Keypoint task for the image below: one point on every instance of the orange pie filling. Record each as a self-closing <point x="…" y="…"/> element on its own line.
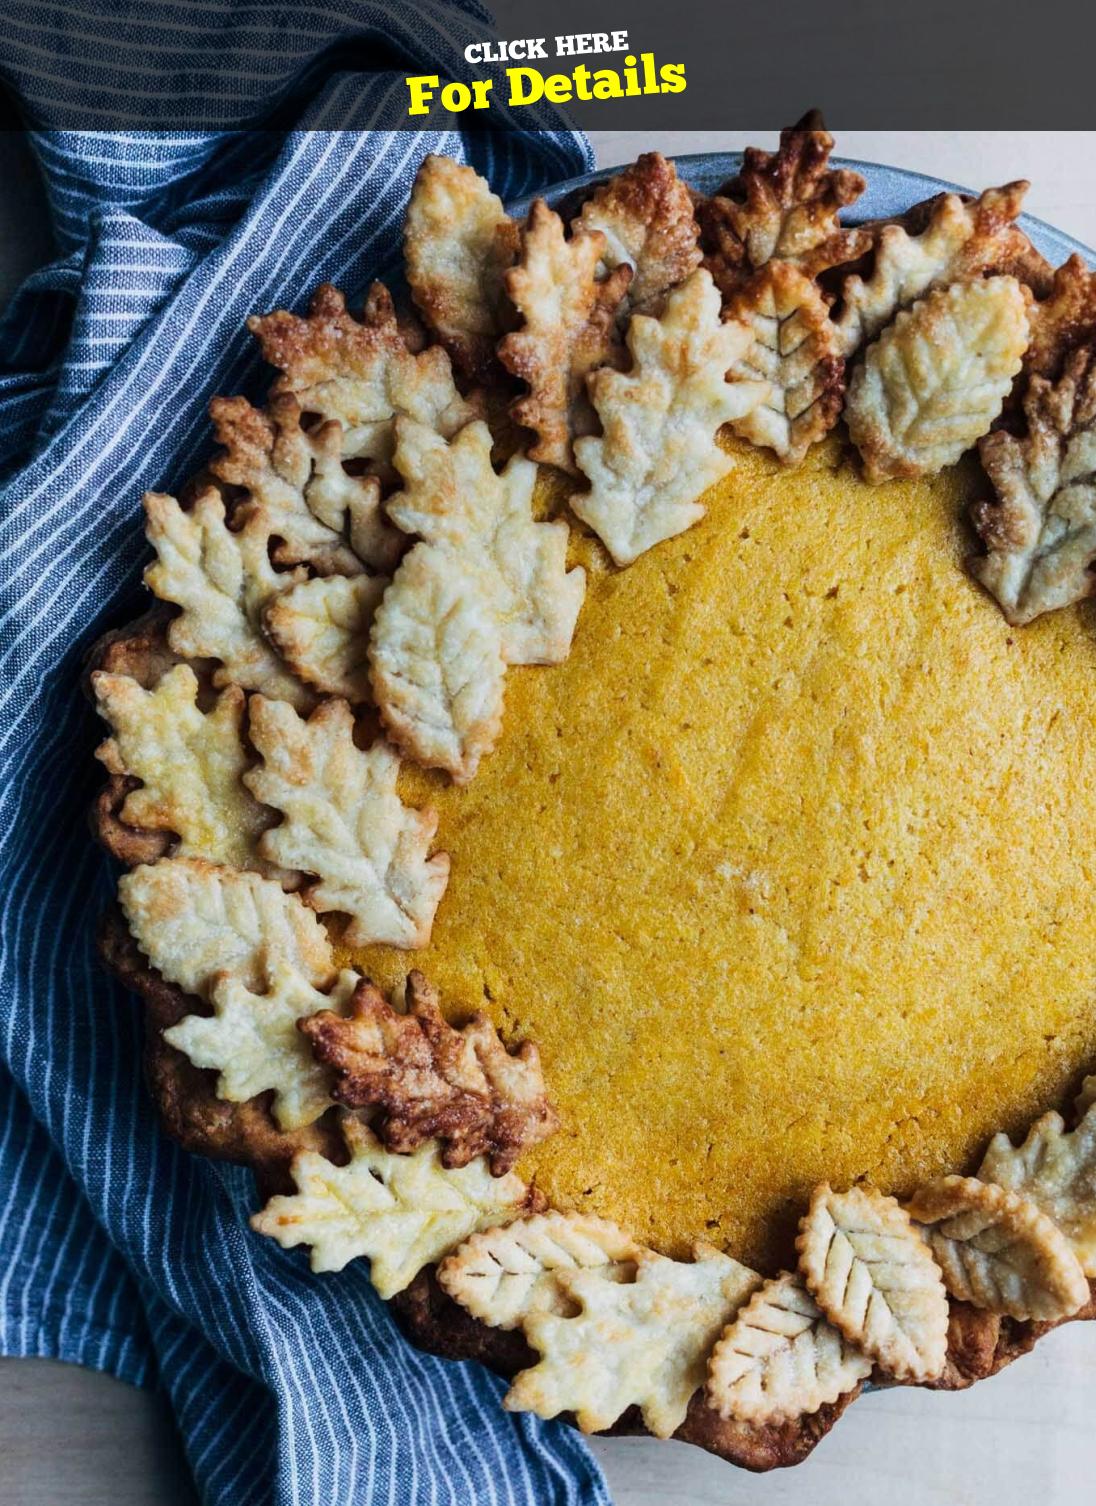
<point x="788" y="869"/>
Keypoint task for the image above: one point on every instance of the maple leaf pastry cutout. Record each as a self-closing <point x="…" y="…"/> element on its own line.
<point x="1063" y="320"/>
<point x="782" y="205"/>
<point x="458" y="244"/>
<point x="431" y="1080"/>
<point x="568" y="330"/>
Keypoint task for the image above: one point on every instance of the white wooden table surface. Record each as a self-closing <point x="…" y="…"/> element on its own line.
<point x="70" y="1438"/>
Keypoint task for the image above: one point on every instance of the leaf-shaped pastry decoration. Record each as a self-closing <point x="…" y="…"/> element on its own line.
<point x="646" y="216"/>
<point x="641" y="1342"/>
<point x="361" y="373"/>
<point x="959" y="240"/>
<point x="780" y="1359"/>
<point x="431" y="1080"/>
<point x="321" y="629"/>
<point x="1063" y="320"/>
<point x="195" y="921"/>
<point x="1056" y="1170"/>
<point x="997" y="1251"/>
<point x="458" y="243"/>
<point x="345" y="823"/>
<point x="793" y="347"/>
<point x="399" y="1212"/>
<point x="222" y="581"/>
<point x="935" y="380"/>
<point x="1040" y="533"/>
<point x="487" y="586"/>
<point x="503" y="1276"/>
<point x="294" y="481"/>
<point x="782" y="205"/>
<point x="568" y="330"/>
<point x="871" y="1274"/>
<point x="251" y="1039"/>
<point x="190" y="764"/>
<point x="658" y="452"/>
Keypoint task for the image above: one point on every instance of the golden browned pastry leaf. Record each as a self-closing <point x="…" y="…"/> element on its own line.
<point x="222" y="581"/>
<point x="294" y="480"/>
<point x="502" y="1276"/>
<point x="640" y="1342"/>
<point x="190" y="764"/>
<point x="961" y="239"/>
<point x="997" y="1251"/>
<point x="399" y="1212"/>
<point x="345" y="823"/>
<point x="1056" y="1170"/>
<point x="1063" y="320"/>
<point x="195" y="921"/>
<point x="360" y="372"/>
<point x="793" y="347"/>
<point x="1040" y="533"/>
<point x="251" y="1039"/>
<point x="935" y="380"/>
<point x="433" y="1081"/>
<point x="568" y="330"/>
<point x="658" y="452"/>
<point x="646" y="216"/>
<point x="782" y="204"/>
<point x="780" y="1358"/>
<point x="487" y="586"/>
<point x="458" y="243"/>
<point x="874" y="1278"/>
<point x="321" y="629"/>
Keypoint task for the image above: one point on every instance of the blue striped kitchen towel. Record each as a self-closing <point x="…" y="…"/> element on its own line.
<point x="117" y="1250"/>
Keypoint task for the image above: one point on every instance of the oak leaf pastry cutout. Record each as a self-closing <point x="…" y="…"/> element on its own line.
<point x="345" y="824"/>
<point x="321" y="629"/>
<point x="399" y="1212"/>
<point x="872" y="1275"/>
<point x="782" y="205"/>
<point x="1040" y="533"/>
<point x="502" y="1276"/>
<point x="935" y="380"/>
<point x="642" y="1341"/>
<point x="458" y="243"/>
<point x="780" y="1358"/>
<point x="222" y="581"/>
<point x="196" y="921"/>
<point x="360" y="372"/>
<point x="568" y="329"/>
<point x="251" y="1039"/>
<point x="190" y="763"/>
<point x="431" y="1081"/>
<point x="646" y="216"/>
<point x="793" y="347"/>
<point x="960" y="240"/>
<point x="486" y="586"/>
<point x="1063" y="320"/>
<point x="1056" y="1170"/>
<point x="658" y="452"/>
<point x="293" y="480"/>
<point x="997" y="1251"/>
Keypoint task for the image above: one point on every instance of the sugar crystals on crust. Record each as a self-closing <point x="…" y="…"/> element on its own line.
<point x="1054" y="1168"/>
<point x="321" y="629"/>
<point x="646" y="216"/>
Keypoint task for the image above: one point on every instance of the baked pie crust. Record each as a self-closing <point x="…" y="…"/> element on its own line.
<point x="676" y="842"/>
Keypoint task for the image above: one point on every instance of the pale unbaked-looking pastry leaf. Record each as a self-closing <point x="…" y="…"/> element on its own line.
<point x="873" y="1277"/>
<point x="194" y="921"/>
<point x="658" y="452"/>
<point x="780" y="1359"/>
<point x="997" y="1251"/>
<point x="190" y="764"/>
<point x="399" y="1212"/>
<point x="935" y="380"/>
<point x="251" y="1039"/>
<point x="1056" y="1170"/>
<point x="1040" y="533"/>
<point x="640" y="1342"/>
<point x="321" y="629"/>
